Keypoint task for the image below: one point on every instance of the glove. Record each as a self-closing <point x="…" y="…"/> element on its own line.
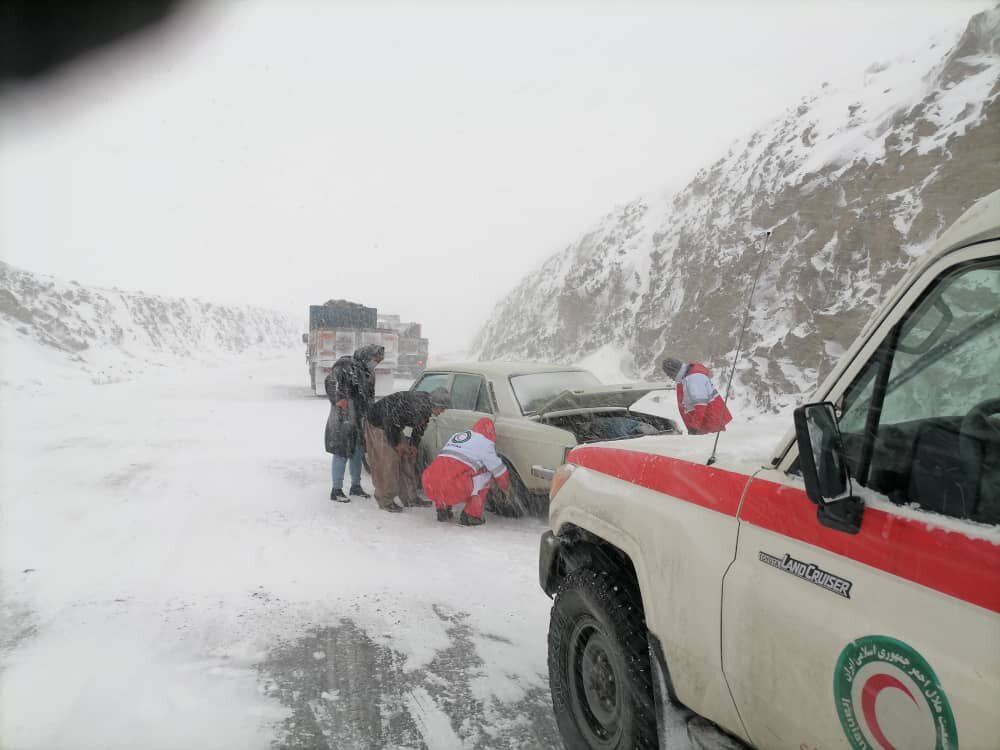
<point x="342" y="404"/>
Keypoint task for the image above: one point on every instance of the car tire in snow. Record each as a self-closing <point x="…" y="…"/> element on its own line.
<point x="519" y="502"/>
<point x="599" y="671"/>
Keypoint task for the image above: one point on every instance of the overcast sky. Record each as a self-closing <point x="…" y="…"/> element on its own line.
<point x="419" y="159"/>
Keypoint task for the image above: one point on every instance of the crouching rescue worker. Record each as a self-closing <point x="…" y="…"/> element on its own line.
<point x="462" y="473"/>
<point x="702" y="408"/>
<point x="350" y="386"/>
<point x="392" y="457"/>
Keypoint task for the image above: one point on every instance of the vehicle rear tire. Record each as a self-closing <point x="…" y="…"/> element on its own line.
<point x="599" y="671"/>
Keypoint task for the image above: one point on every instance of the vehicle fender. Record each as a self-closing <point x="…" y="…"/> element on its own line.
<point x="679" y="551"/>
<point x="579" y="519"/>
<point x="525" y="443"/>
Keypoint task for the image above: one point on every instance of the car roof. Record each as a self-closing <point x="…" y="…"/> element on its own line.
<point x="500" y="369"/>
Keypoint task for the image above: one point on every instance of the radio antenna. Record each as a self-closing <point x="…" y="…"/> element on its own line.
<point x="743" y="332"/>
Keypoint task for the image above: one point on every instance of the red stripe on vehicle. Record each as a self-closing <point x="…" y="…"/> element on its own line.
<point x="707" y="486"/>
<point x="940" y="559"/>
<point x="913" y="549"/>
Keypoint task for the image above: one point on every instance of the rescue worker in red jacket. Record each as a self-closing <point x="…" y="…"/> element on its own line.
<point x="702" y="408"/>
<point x="462" y="473"/>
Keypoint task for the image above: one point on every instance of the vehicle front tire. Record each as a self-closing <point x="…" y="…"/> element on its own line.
<point x="519" y="502"/>
<point x="599" y="671"/>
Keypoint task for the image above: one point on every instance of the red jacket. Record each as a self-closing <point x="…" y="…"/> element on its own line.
<point x="465" y="466"/>
<point x="700" y="405"/>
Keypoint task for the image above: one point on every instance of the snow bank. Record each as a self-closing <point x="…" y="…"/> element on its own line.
<point x="611" y="364"/>
<point x="108" y="335"/>
<point x="165" y="544"/>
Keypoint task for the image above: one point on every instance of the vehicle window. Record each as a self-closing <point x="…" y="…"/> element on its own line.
<point x="937" y="441"/>
<point x="465" y="391"/>
<point x="432" y="382"/>
<point x="534" y="391"/>
<point x="483" y="403"/>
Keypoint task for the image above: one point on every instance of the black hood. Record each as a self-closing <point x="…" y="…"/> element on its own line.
<point x="370" y="354"/>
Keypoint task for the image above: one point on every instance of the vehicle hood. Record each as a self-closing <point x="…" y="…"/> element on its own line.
<point x="745" y="446"/>
<point x="602" y="396"/>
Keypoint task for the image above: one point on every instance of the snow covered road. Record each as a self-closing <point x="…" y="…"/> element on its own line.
<point x="172" y="574"/>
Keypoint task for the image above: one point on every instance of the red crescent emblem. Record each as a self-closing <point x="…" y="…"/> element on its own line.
<point x="875" y="685"/>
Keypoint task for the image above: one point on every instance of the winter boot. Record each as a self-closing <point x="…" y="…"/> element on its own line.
<point x="466" y="520"/>
<point x="445" y="515"/>
<point x="358" y="491"/>
<point x="339" y="496"/>
<point x="389" y="507"/>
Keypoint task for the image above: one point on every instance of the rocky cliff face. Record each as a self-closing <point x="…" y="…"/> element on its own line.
<point x="854" y="183"/>
<point x="113" y="331"/>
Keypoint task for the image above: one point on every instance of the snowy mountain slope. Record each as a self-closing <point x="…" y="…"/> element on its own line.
<point x="46" y="324"/>
<point x="855" y="181"/>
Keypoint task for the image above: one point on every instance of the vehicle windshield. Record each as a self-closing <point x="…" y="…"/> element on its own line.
<point x="534" y="391"/>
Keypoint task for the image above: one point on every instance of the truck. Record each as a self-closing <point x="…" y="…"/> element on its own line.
<point x="843" y="590"/>
<point x="339" y="327"/>
<point x="413" y="348"/>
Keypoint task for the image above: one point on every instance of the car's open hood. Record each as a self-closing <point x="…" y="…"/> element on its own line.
<point x="602" y="396"/>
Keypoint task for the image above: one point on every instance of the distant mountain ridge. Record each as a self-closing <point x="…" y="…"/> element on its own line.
<point x="109" y="329"/>
<point x="854" y="182"/>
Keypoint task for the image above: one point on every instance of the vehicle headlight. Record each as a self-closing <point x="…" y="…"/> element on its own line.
<point x="559" y="479"/>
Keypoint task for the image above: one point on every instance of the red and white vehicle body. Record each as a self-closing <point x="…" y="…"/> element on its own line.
<point x="863" y="617"/>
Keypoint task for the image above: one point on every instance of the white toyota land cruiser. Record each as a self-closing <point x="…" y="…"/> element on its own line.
<point x="846" y="594"/>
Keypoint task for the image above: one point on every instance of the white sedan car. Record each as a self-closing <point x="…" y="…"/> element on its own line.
<point x="541" y="411"/>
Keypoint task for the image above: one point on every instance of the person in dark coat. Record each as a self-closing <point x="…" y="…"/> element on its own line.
<point x="350" y="386"/>
<point x="392" y="457"/>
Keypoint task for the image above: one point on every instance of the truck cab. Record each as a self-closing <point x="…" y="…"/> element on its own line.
<point x="841" y="592"/>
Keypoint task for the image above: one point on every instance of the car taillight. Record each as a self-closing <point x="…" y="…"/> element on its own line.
<point x="559" y="479"/>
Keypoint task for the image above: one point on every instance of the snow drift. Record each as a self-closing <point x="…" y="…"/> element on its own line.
<point x="48" y="325"/>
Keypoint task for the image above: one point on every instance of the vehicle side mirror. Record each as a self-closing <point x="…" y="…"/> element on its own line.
<point x="824" y="468"/>
<point x="305" y="338"/>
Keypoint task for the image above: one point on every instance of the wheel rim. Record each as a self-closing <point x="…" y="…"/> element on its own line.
<point x="595" y="684"/>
